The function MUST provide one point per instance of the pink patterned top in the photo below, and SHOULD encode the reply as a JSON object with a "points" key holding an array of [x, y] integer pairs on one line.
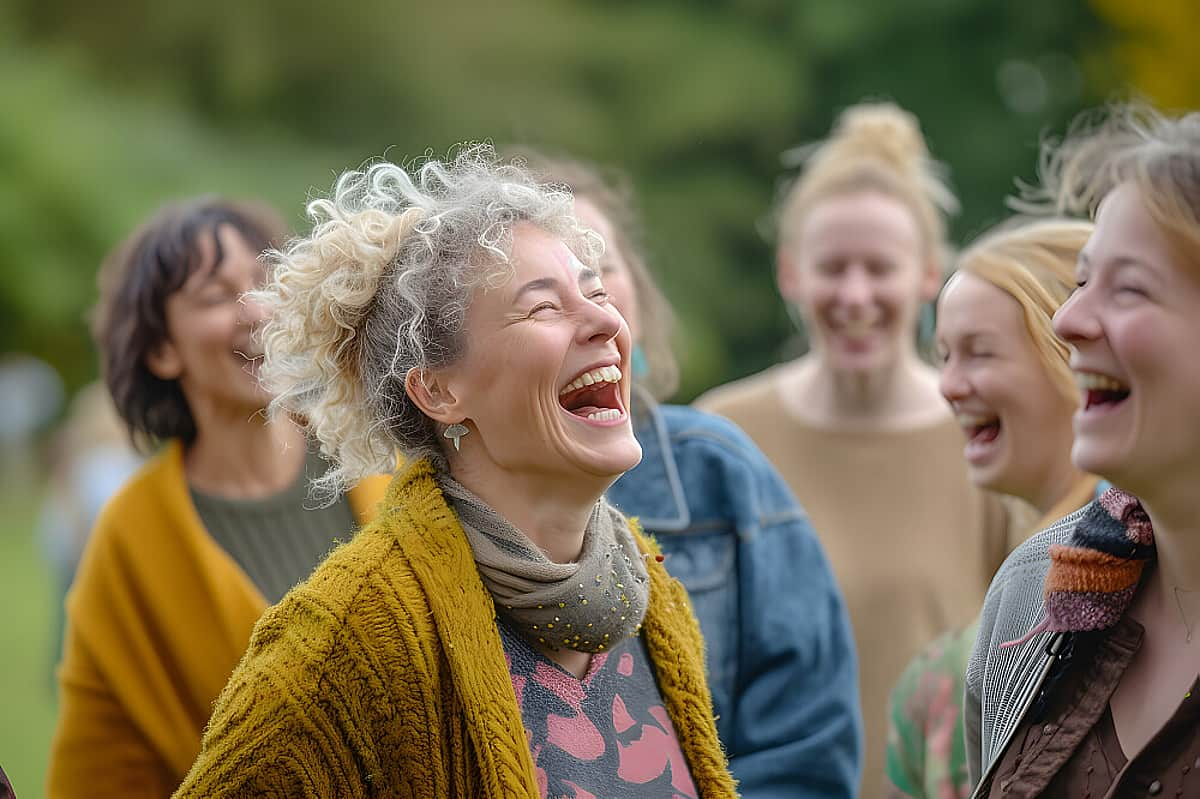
{"points": [[605, 735]]}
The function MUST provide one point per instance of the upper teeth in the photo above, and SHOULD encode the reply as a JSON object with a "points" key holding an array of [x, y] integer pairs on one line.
{"points": [[605, 374], [971, 420], [1090, 381]]}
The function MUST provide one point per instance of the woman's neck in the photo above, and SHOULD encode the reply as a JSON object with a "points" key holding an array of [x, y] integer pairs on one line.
{"points": [[1176, 522], [903, 395], [553, 514], [1060, 488], [253, 459]]}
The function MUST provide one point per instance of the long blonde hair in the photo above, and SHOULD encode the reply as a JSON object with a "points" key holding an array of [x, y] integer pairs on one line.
{"points": [[1033, 261]]}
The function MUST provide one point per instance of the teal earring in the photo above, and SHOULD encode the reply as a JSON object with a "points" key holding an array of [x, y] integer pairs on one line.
{"points": [[455, 432], [638, 362]]}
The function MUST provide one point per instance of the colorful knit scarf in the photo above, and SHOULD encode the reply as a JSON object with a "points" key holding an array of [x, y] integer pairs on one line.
{"points": [[1093, 578]]}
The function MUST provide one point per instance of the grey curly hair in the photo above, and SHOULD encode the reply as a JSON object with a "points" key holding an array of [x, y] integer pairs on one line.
{"points": [[381, 285]]}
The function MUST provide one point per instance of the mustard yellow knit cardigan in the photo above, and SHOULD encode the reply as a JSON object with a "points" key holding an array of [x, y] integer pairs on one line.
{"points": [[157, 618], [384, 675]]}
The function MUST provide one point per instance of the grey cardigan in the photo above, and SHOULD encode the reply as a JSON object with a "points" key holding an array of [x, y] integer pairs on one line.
{"points": [[1001, 683]]}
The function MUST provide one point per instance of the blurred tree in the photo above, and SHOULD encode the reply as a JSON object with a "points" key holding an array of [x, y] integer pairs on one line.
{"points": [[1157, 48], [129, 102]]}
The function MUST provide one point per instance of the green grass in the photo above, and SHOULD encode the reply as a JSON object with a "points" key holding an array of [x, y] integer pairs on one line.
{"points": [[27, 600]]}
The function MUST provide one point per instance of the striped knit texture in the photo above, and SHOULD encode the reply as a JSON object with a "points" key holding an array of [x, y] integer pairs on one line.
{"points": [[384, 675], [277, 540], [1093, 578]]}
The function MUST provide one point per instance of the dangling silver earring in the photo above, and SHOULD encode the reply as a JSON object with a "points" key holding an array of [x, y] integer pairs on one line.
{"points": [[455, 432]]}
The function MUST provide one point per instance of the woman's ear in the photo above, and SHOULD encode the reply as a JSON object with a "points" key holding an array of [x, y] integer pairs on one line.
{"points": [[428, 389], [164, 362], [932, 279], [787, 276]]}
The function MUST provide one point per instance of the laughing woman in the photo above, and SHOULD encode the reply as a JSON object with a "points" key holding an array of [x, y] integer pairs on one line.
{"points": [[500, 630], [1084, 675], [187, 555], [857, 426], [1006, 377], [778, 648]]}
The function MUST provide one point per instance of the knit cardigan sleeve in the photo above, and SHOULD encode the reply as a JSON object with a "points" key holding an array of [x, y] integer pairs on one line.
{"points": [[312, 710], [276, 729]]}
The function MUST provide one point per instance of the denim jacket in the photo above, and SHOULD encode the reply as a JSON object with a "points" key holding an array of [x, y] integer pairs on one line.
{"points": [[780, 653]]}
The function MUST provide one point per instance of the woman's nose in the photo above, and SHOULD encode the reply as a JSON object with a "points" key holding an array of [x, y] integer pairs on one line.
{"points": [[599, 322], [952, 383], [855, 287], [1073, 321], [250, 311]]}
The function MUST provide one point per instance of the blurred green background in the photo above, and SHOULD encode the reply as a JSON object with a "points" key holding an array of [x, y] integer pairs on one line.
{"points": [[108, 109]]}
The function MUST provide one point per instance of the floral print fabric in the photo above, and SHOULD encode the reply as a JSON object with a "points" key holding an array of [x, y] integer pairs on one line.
{"points": [[605, 735]]}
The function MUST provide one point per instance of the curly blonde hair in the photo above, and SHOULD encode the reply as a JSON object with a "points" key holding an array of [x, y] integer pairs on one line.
{"points": [[381, 285], [873, 147], [1134, 143]]}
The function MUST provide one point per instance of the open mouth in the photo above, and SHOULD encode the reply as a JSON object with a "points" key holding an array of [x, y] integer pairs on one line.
{"points": [[1100, 391], [856, 329], [980, 430], [594, 395]]}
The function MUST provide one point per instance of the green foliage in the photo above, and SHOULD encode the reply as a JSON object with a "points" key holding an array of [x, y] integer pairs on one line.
{"points": [[113, 107], [26, 670]]}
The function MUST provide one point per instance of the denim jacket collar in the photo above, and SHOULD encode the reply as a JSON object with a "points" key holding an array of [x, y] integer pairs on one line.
{"points": [[658, 465]]}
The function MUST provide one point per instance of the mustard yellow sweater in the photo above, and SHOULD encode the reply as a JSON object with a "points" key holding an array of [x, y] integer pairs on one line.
{"points": [[384, 675], [158, 616]]}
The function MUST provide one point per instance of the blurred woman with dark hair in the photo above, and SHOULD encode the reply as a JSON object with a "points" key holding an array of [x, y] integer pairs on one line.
{"points": [[188, 554]]}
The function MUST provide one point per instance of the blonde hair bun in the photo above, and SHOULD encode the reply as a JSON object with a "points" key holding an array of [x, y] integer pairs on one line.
{"points": [[879, 130], [873, 146]]}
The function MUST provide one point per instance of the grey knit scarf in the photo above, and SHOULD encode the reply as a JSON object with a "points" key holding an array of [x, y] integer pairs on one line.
{"points": [[588, 605]]}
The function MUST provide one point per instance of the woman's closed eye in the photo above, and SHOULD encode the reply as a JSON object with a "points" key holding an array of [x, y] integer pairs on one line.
{"points": [[542, 306], [217, 296]]}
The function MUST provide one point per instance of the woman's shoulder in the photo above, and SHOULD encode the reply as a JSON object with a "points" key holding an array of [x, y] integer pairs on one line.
{"points": [[365, 572], [1013, 604], [145, 524], [690, 426], [1033, 555], [742, 395], [155, 488], [363, 584]]}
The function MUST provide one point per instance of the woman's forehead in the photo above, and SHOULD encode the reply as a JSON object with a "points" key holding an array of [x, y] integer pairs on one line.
{"points": [[540, 254]]}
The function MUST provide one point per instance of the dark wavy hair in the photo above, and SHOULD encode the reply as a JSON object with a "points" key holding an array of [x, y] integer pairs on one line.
{"points": [[129, 321]]}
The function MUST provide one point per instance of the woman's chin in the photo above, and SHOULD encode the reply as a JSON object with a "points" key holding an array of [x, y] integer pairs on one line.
{"points": [[611, 460], [860, 363]]}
